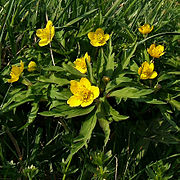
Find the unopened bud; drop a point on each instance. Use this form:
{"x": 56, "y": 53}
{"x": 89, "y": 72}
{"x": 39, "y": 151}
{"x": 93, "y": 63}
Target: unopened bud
{"x": 157, "y": 86}
{"x": 106, "y": 79}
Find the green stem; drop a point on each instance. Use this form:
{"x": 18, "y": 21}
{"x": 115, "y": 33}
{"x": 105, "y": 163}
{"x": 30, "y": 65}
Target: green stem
{"x": 5, "y": 96}
{"x": 52, "y": 57}
{"x": 64, "y": 176}
{"x": 157, "y": 35}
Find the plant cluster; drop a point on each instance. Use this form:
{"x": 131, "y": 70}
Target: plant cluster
{"x": 94, "y": 94}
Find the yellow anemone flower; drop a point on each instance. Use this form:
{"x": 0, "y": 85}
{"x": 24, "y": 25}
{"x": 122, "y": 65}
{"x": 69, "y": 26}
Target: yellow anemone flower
{"x": 16, "y": 72}
{"x": 98, "y": 38}
{"x": 83, "y": 93}
{"x": 145, "y": 29}
{"x": 32, "y": 66}
{"x": 146, "y": 71}
{"x": 80, "y": 63}
{"x": 46, "y": 34}
{"x": 156, "y": 51}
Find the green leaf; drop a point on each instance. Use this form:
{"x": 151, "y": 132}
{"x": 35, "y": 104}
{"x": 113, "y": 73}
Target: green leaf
{"x": 90, "y": 72}
{"x": 100, "y": 64}
{"x": 66, "y": 111}
{"x": 117, "y": 83}
{"x": 175, "y": 103}
{"x": 113, "y": 113}
{"x": 79, "y": 18}
{"x": 35, "y": 149}
{"x": 131, "y": 92}
{"x": 167, "y": 116}
{"x": 113, "y": 8}
{"x": 103, "y": 122}
{"x": 64, "y": 94}
{"x": 72, "y": 70}
{"x": 105, "y": 127}
{"x": 128, "y": 55}
{"x": 53, "y": 79}
{"x": 110, "y": 61}
{"x": 154, "y": 101}
{"x": 175, "y": 73}
{"x": 32, "y": 115}
{"x": 84, "y": 135}
{"x": 54, "y": 68}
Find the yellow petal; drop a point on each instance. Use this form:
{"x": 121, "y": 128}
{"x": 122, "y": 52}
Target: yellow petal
{"x": 160, "y": 48}
{"x": 52, "y": 32}
{"x": 151, "y": 28}
{"x": 75, "y": 87}
{"x": 143, "y": 76}
{"x": 82, "y": 70}
{"x": 161, "y": 53}
{"x": 99, "y": 31}
{"x": 95, "y": 43}
{"x": 153, "y": 46}
{"x": 22, "y": 66}
{"x": 44, "y": 42}
{"x": 74, "y": 101}
{"x": 140, "y": 70}
{"x": 13, "y": 79}
{"x": 85, "y": 82}
{"x": 145, "y": 66}
{"x": 141, "y": 30}
{"x": 86, "y": 56}
{"x": 106, "y": 37}
{"x": 32, "y": 66}
{"x": 151, "y": 67}
{"x": 15, "y": 71}
{"x": 91, "y": 35}
{"x": 95, "y": 91}
{"x": 153, "y": 75}
{"x": 84, "y": 104}
{"x": 49, "y": 24}
{"x": 40, "y": 33}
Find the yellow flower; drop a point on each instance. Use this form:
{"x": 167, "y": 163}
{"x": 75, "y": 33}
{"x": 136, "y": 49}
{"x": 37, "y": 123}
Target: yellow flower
{"x": 156, "y": 51}
{"x": 83, "y": 93}
{"x": 98, "y": 38}
{"x": 145, "y": 29}
{"x": 146, "y": 71}
{"x": 32, "y": 66}
{"x": 16, "y": 72}
{"x": 46, "y": 34}
{"x": 80, "y": 63}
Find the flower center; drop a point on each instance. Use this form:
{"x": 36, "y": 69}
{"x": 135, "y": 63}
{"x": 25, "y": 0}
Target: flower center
{"x": 99, "y": 37}
{"x": 87, "y": 95}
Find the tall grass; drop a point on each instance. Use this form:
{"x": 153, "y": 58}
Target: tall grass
{"x": 130, "y": 132}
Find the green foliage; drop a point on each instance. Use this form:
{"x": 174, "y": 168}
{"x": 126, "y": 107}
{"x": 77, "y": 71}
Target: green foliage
{"x": 130, "y": 131}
